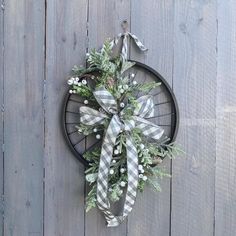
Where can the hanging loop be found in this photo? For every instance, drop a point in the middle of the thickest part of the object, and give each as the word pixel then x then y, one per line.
pixel 124 26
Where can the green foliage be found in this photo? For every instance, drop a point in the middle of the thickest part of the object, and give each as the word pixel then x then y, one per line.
pixel 83 91
pixel 126 65
pixel 102 60
pixel 156 186
pixel 115 193
pixel 113 74
pixel 146 87
pixel 91 198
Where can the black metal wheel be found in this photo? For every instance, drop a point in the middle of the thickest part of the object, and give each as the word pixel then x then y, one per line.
pixel 166 111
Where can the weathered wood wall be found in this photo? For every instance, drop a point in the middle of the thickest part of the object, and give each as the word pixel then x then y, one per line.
pixel 192 43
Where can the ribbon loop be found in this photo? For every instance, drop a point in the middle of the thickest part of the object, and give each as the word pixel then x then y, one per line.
pixel 90 116
pixel 124 36
pixel 145 107
pixel 105 100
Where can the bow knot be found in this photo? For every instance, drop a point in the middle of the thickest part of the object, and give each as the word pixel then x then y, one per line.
pixel 119 123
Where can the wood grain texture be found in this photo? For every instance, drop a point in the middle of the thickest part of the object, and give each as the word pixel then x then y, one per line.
pixel 225 187
pixel 2 117
pixel 64 177
pixel 104 22
pixel 191 43
pixel 194 82
pixel 153 24
pixel 23 117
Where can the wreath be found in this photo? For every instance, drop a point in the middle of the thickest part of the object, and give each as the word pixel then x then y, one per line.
pixel 132 147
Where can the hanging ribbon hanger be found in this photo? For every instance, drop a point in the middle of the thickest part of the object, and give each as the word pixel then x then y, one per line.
pixel 124 37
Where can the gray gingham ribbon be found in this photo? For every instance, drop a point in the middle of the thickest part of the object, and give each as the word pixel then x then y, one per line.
pixel 90 116
pixel 124 50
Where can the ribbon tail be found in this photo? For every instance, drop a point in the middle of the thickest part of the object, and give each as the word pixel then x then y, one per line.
pixel 138 42
pixel 104 167
pixel 132 168
pixel 103 174
pixel 115 40
pixel 124 50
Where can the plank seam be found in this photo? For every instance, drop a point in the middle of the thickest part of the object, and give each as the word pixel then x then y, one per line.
pixel 44 108
pixel 172 86
pixel 2 110
pixel 87 49
pixel 216 51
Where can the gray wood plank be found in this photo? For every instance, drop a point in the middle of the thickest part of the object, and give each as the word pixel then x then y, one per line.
pixel 105 18
pixel 64 177
pixel 152 22
pixel 194 82
pixel 23 117
pixel 2 115
pixel 225 192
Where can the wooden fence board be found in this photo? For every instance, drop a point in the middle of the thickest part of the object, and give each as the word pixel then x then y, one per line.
pixel 23 117
pixel 64 177
pixel 153 24
pixel 225 205
pixel 104 22
pixel 195 86
pixel 2 116
pixel 191 43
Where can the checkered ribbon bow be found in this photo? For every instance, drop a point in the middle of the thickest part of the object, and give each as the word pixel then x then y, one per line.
pixel 118 124
pixel 124 49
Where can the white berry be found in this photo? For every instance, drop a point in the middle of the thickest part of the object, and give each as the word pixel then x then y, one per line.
pixel 126 87
pixel 110 189
pixel 142 146
pixel 114 161
pixel 111 171
pixel 122 90
pixel 95 130
pixel 134 82
pixel 122 183
pixel 122 104
pixel 92 77
pixel 80 130
pixel 85 101
pixel 87 54
pixel 140 167
pixel 84 81
pixel 132 75
pixel 79 84
pixel 98 136
pixel 116 152
pixel 74 91
pixel 142 171
pixel 140 176
pixel 146 150
pixel 77 79
pixel 144 178
pixel 70 82
pixel 70 91
pixel 120 86
pixel 122 170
